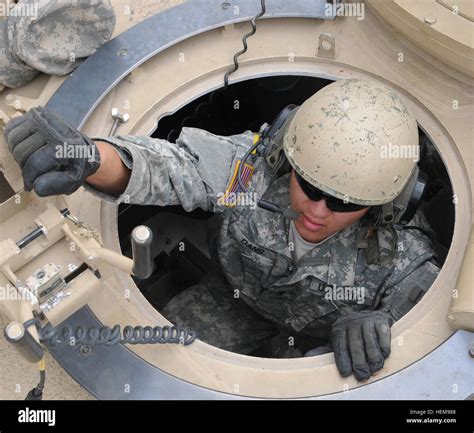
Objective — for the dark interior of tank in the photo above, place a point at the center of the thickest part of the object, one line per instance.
(228, 111)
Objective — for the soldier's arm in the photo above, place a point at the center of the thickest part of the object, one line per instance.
(402, 296)
(363, 353)
(193, 172)
(113, 175)
(415, 268)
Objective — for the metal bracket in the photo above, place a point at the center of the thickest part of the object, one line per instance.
(116, 59)
(327, 46)
(102, 371)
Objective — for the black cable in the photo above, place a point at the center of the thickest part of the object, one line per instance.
(226, 83)
(105, 335)
(37, 392)
(284, 89)
(110, 336)
(213, 94)
(244, 41)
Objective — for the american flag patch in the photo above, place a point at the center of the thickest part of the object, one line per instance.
(231, 194)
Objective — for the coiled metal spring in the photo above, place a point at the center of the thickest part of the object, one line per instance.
(110, 336)
(195, 115)
(244, 42)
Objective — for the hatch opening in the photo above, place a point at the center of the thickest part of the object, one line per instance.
(246, 106)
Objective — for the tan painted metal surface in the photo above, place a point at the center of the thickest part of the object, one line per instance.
(18, 376)
(440, 97)
(441, 28)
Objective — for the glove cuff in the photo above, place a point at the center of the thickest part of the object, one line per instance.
(356, 315)
(93, 164)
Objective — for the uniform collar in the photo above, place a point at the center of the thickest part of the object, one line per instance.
(332, 262)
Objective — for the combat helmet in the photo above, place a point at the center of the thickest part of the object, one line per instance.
(355, 140)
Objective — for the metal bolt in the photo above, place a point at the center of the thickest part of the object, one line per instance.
(430, 19)
(122, 52)
(118, 119)
(471, 351)
(225, 6)
(85, 350)
(14, 331)
(325, 45)
(141, 234)
(40, 275)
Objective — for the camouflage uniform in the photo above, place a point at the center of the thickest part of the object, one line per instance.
(261, 290)
(51, 36)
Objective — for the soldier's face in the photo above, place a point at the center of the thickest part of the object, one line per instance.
(316, 222)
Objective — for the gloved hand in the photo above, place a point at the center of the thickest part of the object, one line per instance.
(55, 157)
(361, 343)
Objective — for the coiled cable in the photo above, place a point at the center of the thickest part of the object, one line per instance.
(244, 41)
(110, 336)
(210, 100)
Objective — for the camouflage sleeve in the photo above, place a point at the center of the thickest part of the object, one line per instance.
(51, 36)
(400, 298)
(192, 173)
(415, 268)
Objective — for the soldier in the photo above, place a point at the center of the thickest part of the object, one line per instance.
(50, 36)
(327, 256)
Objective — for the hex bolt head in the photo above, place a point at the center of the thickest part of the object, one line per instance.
(122, 52)
(122, 118)
(85, 350)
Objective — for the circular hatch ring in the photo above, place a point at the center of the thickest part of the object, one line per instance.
(120, 56)
(117, 365)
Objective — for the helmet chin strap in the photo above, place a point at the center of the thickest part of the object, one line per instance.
(270, 146)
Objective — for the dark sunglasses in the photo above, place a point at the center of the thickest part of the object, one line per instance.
(332, 203)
